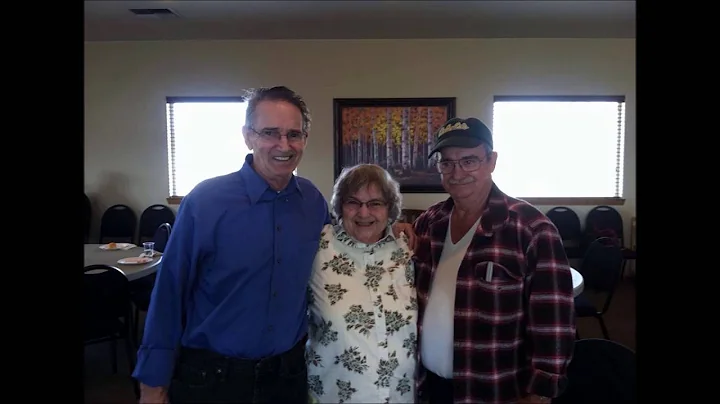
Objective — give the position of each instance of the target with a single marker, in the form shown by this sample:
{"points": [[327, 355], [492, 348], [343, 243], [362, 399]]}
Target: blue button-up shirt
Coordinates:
{"points": [[234, 273]]}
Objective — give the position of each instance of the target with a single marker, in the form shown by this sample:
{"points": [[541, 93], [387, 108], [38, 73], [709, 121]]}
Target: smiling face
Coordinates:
{"points": [[470, 171], [365, 214], [273, 137]]}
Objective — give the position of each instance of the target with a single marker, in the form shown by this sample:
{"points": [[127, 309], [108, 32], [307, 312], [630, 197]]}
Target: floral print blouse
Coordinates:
{"points": [[363, 312]]}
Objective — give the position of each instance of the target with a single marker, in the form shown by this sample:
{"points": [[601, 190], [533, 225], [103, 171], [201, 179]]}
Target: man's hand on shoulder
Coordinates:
{"points": [[407, 228], [153, 395]]}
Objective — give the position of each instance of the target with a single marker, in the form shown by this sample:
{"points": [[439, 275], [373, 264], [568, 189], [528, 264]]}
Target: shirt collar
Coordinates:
{"points": [[348, 240], [494, 216], [256, 185]]}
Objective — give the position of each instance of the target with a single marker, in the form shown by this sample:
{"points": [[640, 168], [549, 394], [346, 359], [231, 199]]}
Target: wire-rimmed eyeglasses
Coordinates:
{"points": [[467, 164], [275, 134], [372, 205]]}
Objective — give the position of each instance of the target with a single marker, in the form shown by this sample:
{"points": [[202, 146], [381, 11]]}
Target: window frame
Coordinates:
{"points": [[565, 201]]}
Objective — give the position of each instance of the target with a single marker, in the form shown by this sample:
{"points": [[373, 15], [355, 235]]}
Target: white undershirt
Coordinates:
{"points": [[436, 344]]}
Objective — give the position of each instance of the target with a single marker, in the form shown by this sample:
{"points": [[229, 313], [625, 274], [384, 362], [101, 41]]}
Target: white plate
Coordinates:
{"points": [[134, 260], [118, 246]]}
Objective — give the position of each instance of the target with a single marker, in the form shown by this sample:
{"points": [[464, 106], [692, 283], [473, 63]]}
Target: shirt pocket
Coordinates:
{"points": [[403, 281], [497, 294], [404, 275]]}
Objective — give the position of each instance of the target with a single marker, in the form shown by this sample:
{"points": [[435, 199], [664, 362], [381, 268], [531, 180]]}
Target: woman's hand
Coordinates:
{"points": [[407, 228]]}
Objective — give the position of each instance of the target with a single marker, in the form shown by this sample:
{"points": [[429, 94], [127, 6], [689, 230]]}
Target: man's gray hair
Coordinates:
{"points": [[353, 179], [280, 93]]}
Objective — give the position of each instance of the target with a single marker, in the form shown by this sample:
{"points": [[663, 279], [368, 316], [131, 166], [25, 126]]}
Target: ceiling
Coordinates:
{"points": [[112, 20]]}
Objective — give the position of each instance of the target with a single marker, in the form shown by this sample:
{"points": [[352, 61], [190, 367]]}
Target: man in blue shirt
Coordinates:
{"points": [[227, 319]]}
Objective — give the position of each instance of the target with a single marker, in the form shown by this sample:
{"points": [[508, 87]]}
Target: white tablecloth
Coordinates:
{"points": [[578, 283]]}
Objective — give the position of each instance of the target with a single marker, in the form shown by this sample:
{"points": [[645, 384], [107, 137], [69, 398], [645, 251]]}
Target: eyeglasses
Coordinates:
{"points": [[372, 205], [275, 135], [467, 164]]}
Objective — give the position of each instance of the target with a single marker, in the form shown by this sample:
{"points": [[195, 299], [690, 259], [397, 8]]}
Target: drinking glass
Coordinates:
{"points": [[148, 249]]}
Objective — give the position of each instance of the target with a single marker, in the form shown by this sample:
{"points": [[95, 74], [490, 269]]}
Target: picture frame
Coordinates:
{"points": [[361, 136]]}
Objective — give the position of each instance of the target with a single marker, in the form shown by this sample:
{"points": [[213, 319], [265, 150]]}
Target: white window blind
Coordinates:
{"points": [[204, 139], [558, 147]]}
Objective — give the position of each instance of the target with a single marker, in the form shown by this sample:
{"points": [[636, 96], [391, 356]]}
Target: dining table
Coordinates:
{"points": [[94, 255], [578, 282]]}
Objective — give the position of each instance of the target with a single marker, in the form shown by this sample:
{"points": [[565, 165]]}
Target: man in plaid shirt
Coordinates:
{"points": [[495, 294]]}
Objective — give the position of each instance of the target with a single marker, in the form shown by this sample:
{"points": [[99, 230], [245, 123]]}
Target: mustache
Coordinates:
{"points": [[463, 181]]}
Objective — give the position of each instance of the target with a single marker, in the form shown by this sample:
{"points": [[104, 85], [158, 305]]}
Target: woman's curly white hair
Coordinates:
{"points": [[352, 179]]}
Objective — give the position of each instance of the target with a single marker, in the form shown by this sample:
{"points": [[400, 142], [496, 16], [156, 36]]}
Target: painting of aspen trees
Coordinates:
{"points": [[394, 133]]}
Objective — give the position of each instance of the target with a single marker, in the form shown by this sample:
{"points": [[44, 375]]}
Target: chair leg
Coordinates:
{"points": [[131, 356], [136, 325], [130, 352], [603, 327], [577, 334], [113, 356]]}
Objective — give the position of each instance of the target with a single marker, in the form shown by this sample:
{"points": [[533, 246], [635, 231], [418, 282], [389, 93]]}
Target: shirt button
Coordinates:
{"points": [[286, 199], [274, 294], [270, 328], [278, 228], [279, 261]]}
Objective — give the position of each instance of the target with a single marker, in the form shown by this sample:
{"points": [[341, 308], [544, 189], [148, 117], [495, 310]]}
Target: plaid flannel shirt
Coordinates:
{"points": [[515, 334]]}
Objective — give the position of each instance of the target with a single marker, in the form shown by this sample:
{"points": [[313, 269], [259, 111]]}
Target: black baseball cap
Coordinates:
{"points": [[466, 133]]}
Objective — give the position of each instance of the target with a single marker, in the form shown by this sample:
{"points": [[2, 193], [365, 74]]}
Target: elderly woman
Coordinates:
{"points": [[363, 307]]}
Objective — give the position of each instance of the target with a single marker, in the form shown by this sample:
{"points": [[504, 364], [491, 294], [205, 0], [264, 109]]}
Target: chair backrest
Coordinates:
{"points": [[602, 265], [567, 222], [87, 217], [118, 224], [601, 371], [152, 218], [106, 292], [603, 221], [161, 237]]}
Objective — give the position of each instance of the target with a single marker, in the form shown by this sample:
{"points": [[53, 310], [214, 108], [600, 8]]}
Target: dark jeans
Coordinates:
{"points": [[207, 377], [438, 390]]}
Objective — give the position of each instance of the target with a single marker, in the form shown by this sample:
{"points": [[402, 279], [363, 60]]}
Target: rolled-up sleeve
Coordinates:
{"points": [[551, 315], [164, 320]]}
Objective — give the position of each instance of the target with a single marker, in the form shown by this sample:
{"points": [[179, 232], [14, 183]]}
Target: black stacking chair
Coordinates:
{"points": [[107, 312], [601, 372], [87, 217], [601, 269], [161, 236], [141, 289], [603, 221], [568, 225], [118, 224], [152, 218]]}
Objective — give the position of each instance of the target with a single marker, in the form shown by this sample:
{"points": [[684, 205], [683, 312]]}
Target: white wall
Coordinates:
{"points": [[126, 84]]}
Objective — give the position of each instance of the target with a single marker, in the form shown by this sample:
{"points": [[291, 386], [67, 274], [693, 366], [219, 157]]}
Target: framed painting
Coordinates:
{"points": [[394, 133]]}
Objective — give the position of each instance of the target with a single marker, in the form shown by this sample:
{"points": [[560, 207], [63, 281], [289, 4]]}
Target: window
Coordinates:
{"points": [[559, 147], [205, 140]]}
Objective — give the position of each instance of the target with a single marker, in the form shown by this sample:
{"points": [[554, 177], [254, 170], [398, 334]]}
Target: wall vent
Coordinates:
{"points": [[154, 13]]}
